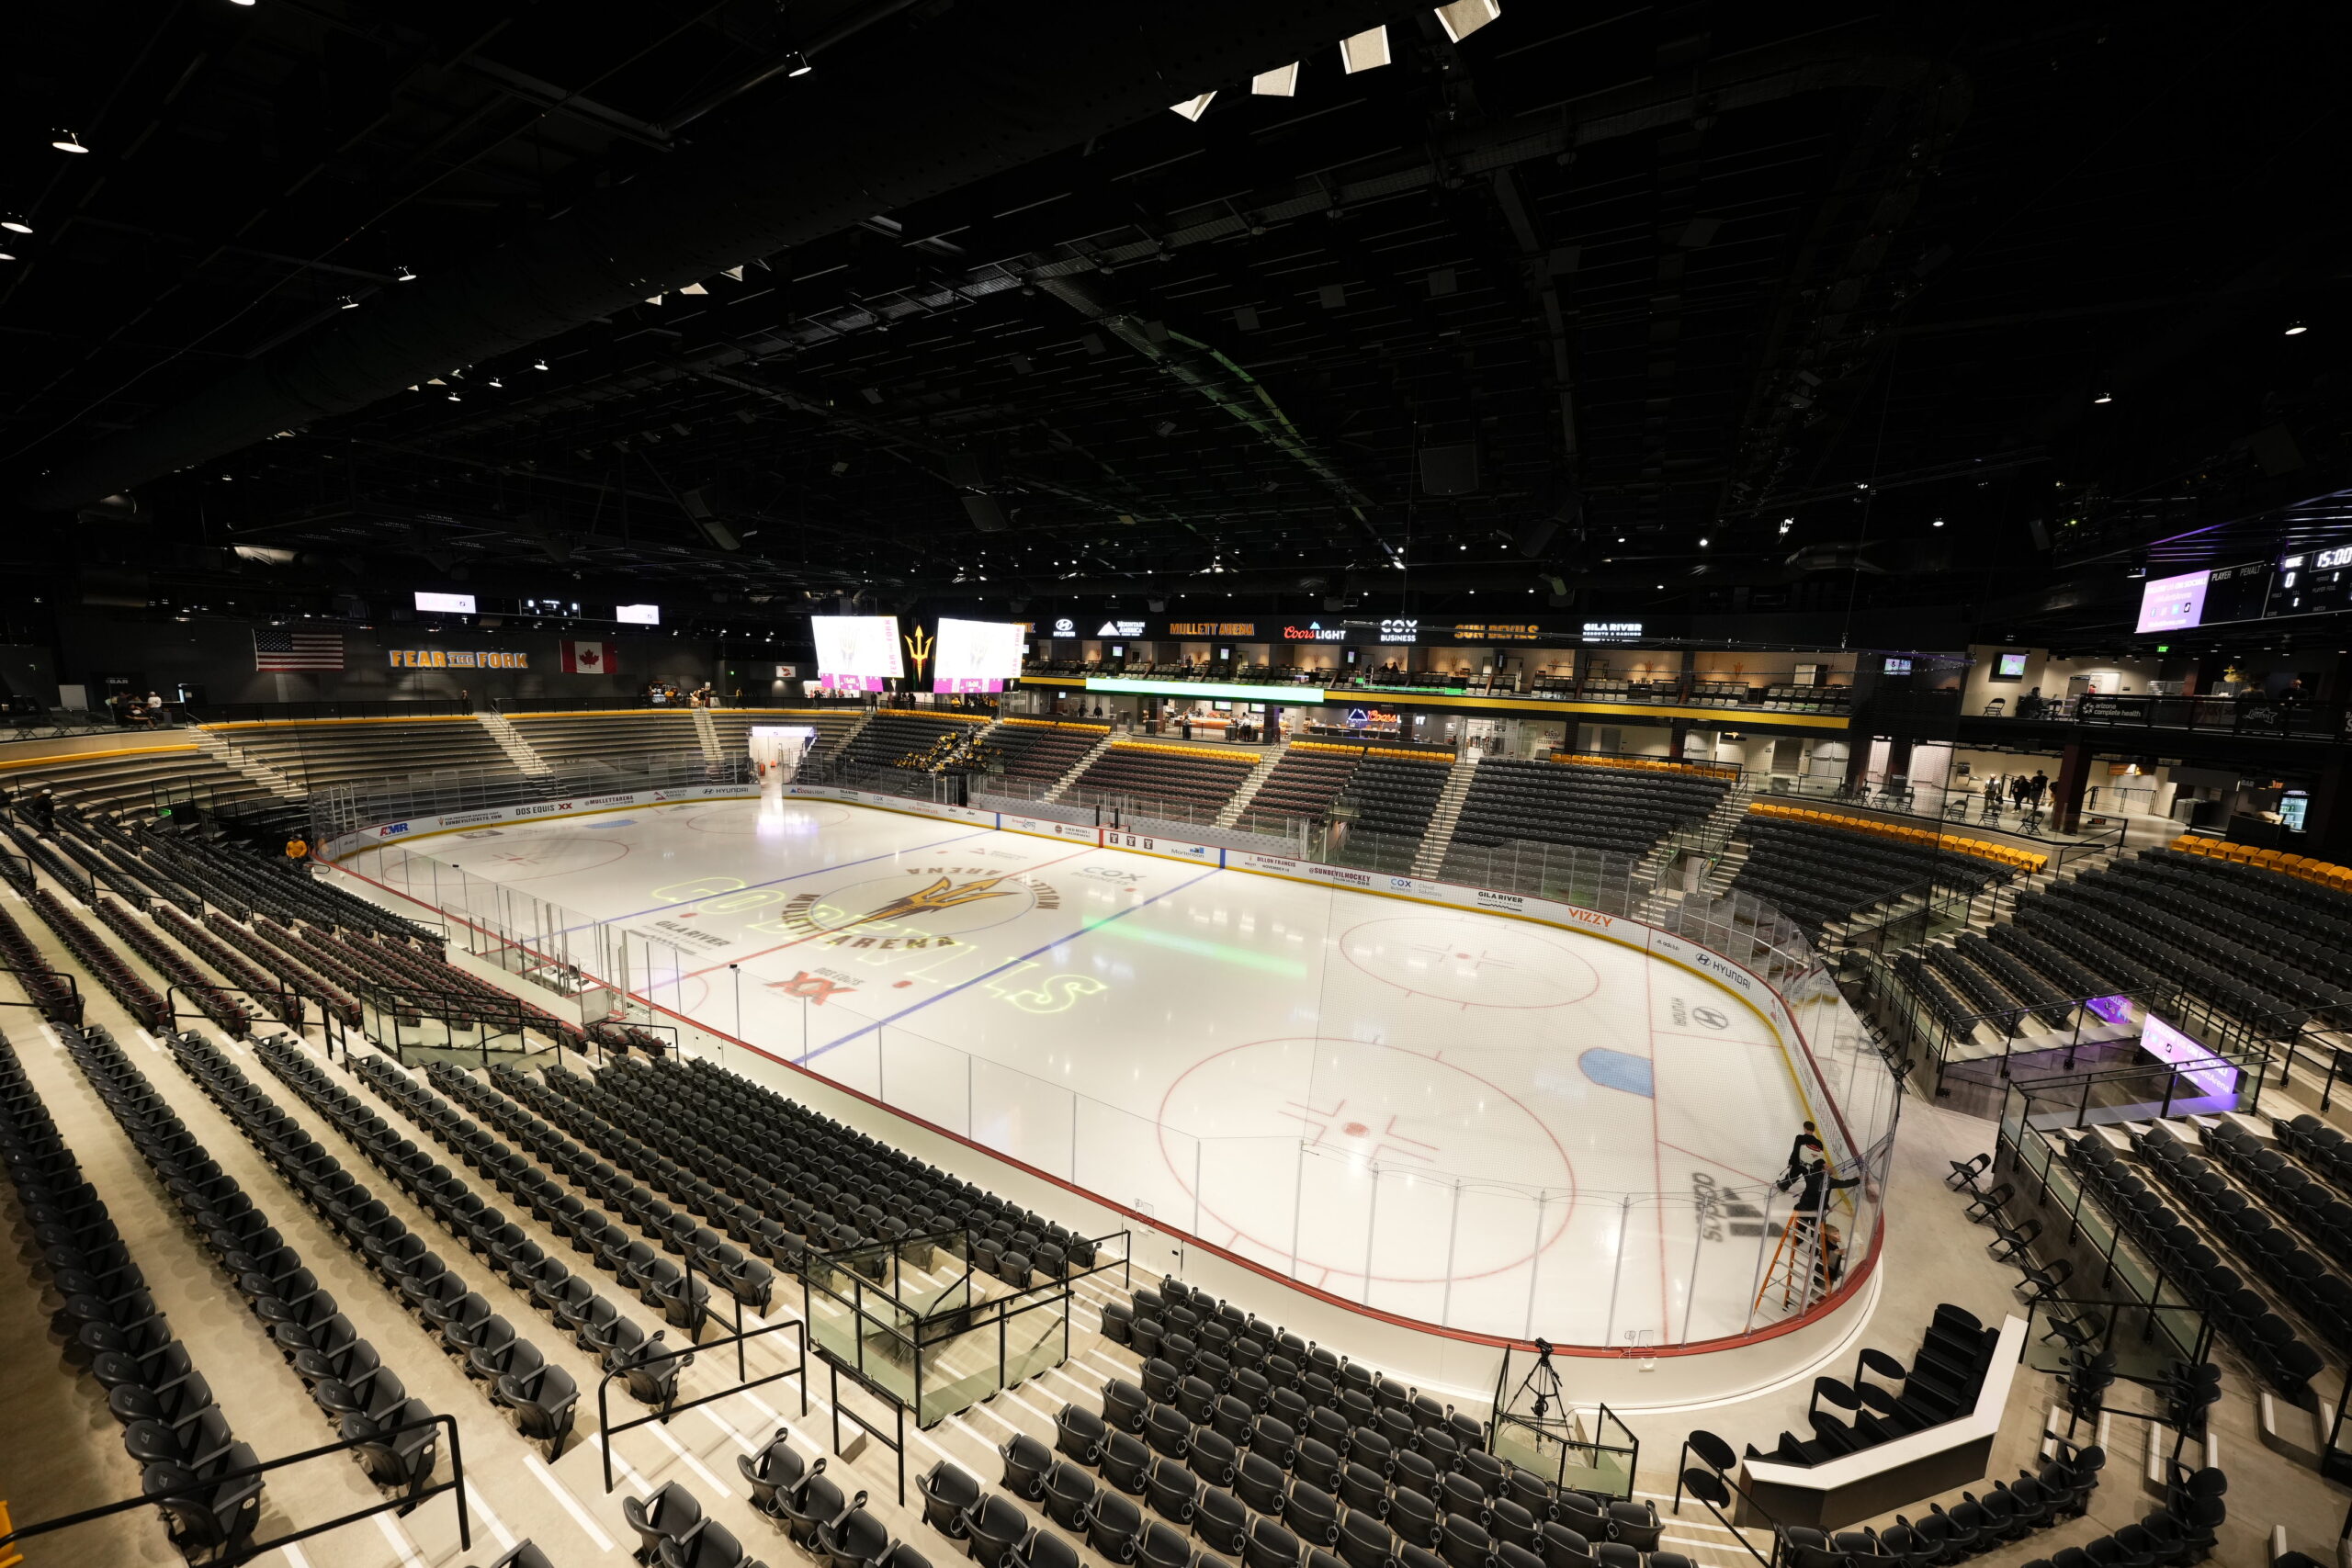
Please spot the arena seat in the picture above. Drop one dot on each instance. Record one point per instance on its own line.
(1199, 778)
(318, 752)
(1619, 810)
(628, 732)
(1040, 751)
(123, 778)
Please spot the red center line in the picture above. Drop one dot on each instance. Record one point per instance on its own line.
(796, 942)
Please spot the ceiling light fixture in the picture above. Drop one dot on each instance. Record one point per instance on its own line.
(346, 302)
(403, 274)
(1193, 108)
(1367, 50)
(1462, 17)
(14, 223)
(1281, 82)
(1940, 523)
(538, 364)
(797, 63)
(66, 141)
(2104, 398)
(2296, 329)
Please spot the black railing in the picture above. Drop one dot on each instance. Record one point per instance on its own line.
(895, 1440)
(2257, 717)
(606, 1431)
(72, 988)
(403, 1502)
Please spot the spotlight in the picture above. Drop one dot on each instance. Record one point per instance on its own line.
(66, 141)
(14, 223)
(796, 64)
(1786, 524)
(2104, 398)
(538, 364)
(1940, 523)
(1702, 544)
(7, 255)
(2296, 329)
(403, 274)
(346, 302)
(1193, 108)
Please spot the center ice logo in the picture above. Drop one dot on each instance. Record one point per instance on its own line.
(923, 906)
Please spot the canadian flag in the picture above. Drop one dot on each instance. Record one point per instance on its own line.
(590, 657)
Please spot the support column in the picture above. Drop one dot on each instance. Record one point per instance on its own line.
(2066, 789)
(2328, 829)
(1680, 729)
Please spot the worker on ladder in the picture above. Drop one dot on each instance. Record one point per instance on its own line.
(1810, 1256)
(1813, 1198)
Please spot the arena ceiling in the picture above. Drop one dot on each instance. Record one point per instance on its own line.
(1635, 307)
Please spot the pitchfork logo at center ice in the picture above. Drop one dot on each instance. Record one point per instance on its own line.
(920, 906)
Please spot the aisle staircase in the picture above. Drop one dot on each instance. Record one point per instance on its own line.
(1085, 762)
(1439, 837)
(245, 762)
(518, 751)
(826, 753)
(708, 733)
(1249, 786)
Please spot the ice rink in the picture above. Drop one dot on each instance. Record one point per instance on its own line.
(1456, 1117)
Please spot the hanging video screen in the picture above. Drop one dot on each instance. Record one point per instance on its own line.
(859, 645)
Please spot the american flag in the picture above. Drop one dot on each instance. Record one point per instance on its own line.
(277, 649)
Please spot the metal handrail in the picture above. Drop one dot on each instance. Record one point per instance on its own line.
(606, 1431)
(403, 1502)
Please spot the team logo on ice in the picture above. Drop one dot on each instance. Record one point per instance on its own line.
(816, 988)
(920, 906)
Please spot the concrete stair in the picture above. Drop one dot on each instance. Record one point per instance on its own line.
(826, 753)
(707, 733)
(245, 762)
(1084, 762)
(518, 751)
(1439, 837)
(1249, 787)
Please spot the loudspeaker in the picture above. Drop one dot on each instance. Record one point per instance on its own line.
(721, 536)
(1450, 470)
(1535, 535)
(697, 507)
(986, 514)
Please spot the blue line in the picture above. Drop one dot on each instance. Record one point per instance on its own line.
(1008, 963)
(843, 865)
